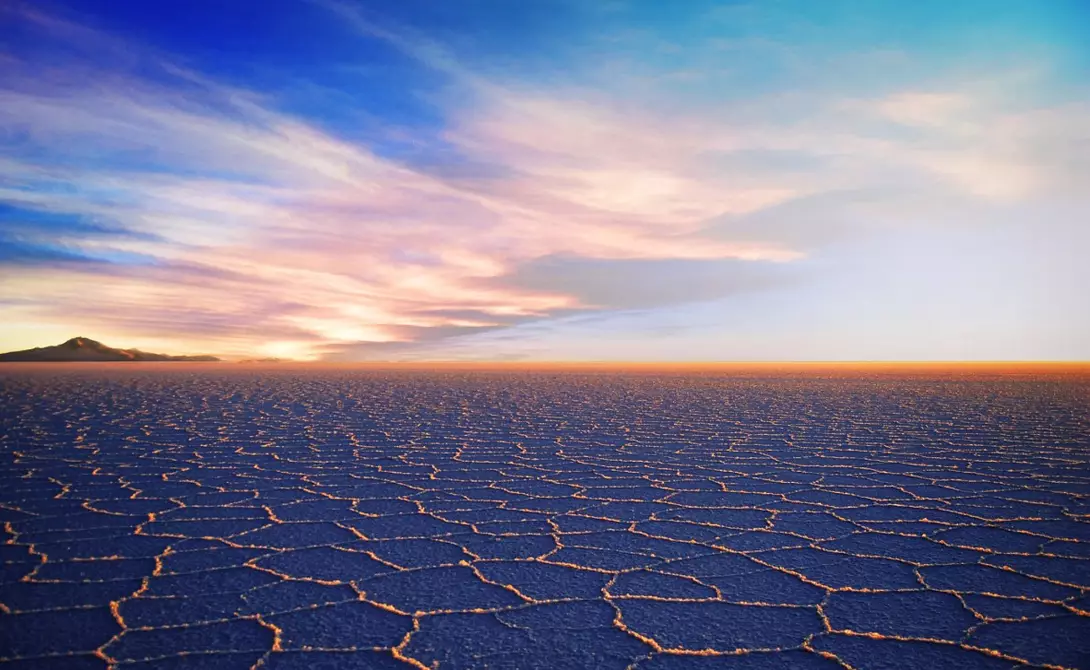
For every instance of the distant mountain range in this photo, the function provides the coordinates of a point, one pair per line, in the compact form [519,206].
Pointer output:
[85,349]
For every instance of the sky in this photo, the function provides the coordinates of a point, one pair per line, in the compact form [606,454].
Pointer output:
[628,180]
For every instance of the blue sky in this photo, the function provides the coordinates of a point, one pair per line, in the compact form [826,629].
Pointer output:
[548,180]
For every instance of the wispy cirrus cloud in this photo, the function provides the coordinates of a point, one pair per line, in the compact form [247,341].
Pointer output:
[264,232]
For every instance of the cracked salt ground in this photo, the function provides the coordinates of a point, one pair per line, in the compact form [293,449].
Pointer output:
[216,518]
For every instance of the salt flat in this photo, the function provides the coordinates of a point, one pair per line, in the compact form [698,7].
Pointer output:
[225,518]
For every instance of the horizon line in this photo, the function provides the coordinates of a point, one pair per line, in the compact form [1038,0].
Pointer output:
[544,363]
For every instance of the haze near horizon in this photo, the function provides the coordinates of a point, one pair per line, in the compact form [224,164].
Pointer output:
[564,181]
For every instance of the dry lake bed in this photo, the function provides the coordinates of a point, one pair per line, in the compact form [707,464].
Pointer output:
[230,517]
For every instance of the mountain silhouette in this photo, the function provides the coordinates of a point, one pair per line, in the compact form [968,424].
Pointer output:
[86,349]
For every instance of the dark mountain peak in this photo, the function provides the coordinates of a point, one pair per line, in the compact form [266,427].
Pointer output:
[83,342]
[85,349]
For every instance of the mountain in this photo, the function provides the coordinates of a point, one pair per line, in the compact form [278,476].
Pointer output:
[85,349]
